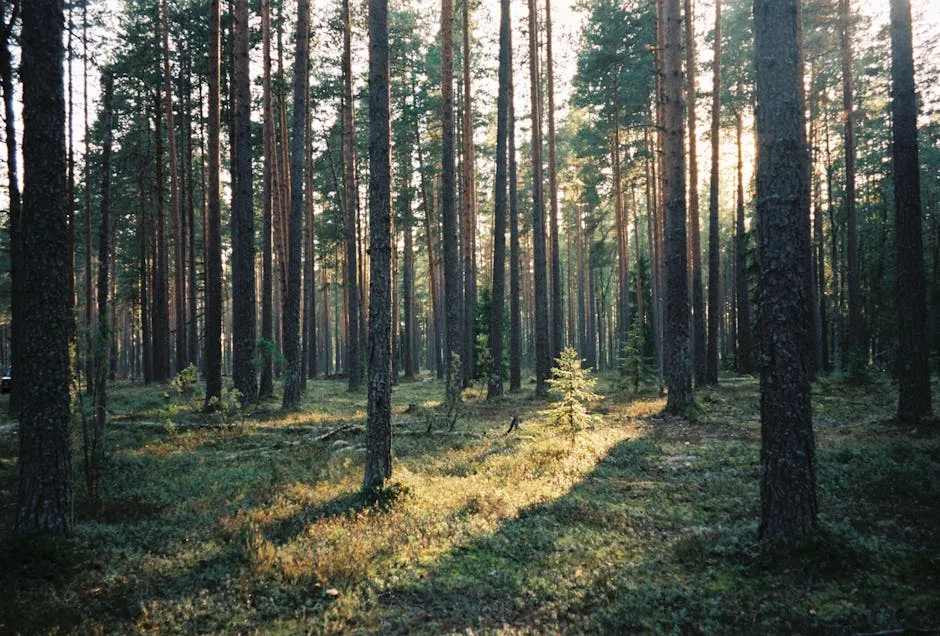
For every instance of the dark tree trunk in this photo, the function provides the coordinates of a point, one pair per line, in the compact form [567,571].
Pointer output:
[448,204]
[310,296]
[913,343]
[558,329]
[857,350]
[515,312]
[94,447]
[542,345]
[788,485]
[378,459]
[349,189]
[89,289]
[266,388]
[44,502]
[292,350]
[695,241]
[409,332]
[498,295]
[623,252]
[244,332]
[213,337]
[192,339]
[179,270]
[744,349]
[160,297]
[469,210]
[678,373]
[714,262]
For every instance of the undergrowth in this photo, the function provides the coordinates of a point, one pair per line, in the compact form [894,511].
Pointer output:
[643,524]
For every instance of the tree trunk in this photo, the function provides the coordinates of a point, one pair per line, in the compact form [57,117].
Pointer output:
[744,350]
[44,502]
[349,192]
[213,337]
[695,241]
[378,460]
[448,205]
[542,345]
[558,329]
[678,373]
[498,295]
[515,312]
[266,388]
[310,277]
[714,261]
[469,209]
[788,488]
[913,343]
[623,253]
[292,351]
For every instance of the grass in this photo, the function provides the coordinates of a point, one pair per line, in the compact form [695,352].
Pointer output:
[641,524]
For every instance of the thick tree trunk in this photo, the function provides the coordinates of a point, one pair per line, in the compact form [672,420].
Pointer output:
[678,373]
[542,344]
[913,343]
[213,337]
[714,261]
[349,194]
[44,502]
[498,296]
[788,484]
[292,351]
[378,459]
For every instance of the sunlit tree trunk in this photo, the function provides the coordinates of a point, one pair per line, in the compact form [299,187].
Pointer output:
[558,329]
[349,195]
[695,242]
[714,261]
[448,204]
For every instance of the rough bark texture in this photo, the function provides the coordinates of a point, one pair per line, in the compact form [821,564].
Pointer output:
[678,372]
[542,345]
[469,209]
[44,502]
[349,193]
[310,353]
[448,203]
[213,355]
[244,332]
[498,296]
[378,458]
[788,485]
[515,312]
[266,388]
[913,344]
[292,351]
[623,252]
[714,250]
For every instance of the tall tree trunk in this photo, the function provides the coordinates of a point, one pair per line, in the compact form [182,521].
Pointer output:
[744,349]
[857,350]
[542,344]
[161,300]
[192,339]
[179,268]
[310,296]
[44,501]
[714,248]
[913,343]
[469,209]
[788,484]
[427,202]
[498,295]
[678,373]
[266,387]
[695,241]
[213,336]
[582,288]
[378,459]
[623,253]
[89,289]
[295,230]
[349,194]
[515,313]
[558,328]
[94,445]
[454,319]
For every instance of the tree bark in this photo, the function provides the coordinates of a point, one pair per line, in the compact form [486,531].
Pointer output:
[349,193]
[378,460]
[469,209]
[44,501]
[515,312]
[913,344]
[498,295]
[266,387]
[744,349]
[558,329]
[695,242]
[542,343]
[788,485]
[678,373]
[213,337]
[714,248]
[454,319]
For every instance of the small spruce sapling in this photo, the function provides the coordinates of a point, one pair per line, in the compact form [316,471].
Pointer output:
[574,385]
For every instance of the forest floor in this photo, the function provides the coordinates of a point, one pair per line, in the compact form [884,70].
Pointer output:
[638,524]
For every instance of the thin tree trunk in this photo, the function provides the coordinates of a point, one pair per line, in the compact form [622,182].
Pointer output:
[558,329]
[858,356]
[161,302]
[695,242]
[213,337]
[266,388]
[469,209]
[714,260]
[310,297]
[349,190]
[744,350]
[454,319]
[515,313]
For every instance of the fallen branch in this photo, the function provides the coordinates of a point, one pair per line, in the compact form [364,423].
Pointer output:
[333,432]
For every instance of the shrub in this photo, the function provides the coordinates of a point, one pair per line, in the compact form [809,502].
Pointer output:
[574,386]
